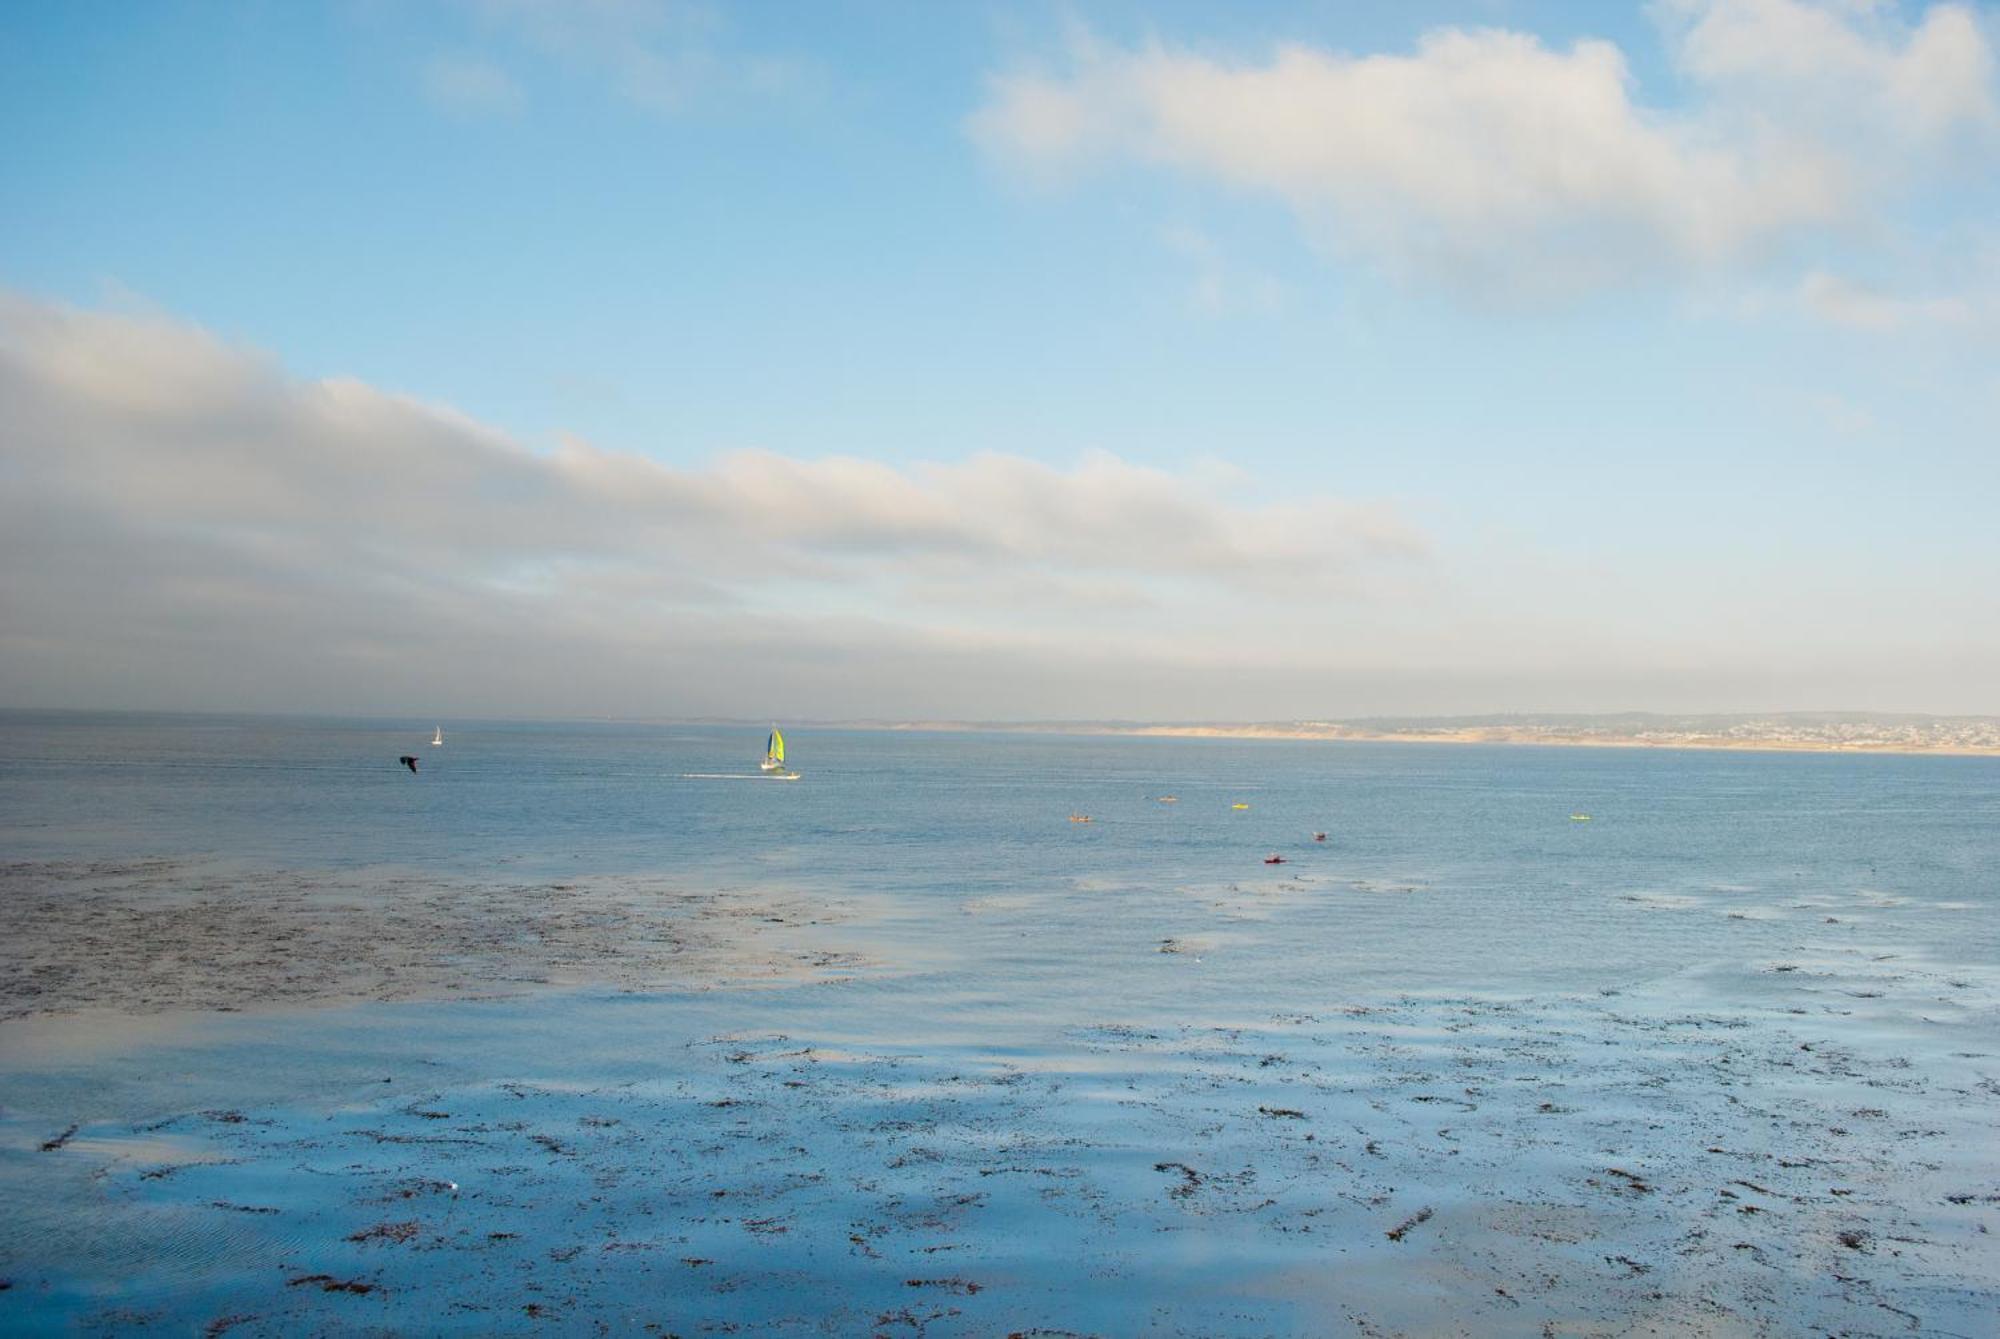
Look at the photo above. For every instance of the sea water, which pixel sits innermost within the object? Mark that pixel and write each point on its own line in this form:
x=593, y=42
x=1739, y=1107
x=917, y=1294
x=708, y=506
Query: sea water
x=1477, y=875
x=1157, y=987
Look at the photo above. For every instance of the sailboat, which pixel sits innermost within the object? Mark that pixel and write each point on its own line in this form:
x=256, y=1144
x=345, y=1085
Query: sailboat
x=774, y=757
x=437, y=740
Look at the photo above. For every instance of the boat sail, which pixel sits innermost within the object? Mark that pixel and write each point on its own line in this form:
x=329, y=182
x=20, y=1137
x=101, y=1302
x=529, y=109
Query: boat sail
x=437, y=740
x=774, y=751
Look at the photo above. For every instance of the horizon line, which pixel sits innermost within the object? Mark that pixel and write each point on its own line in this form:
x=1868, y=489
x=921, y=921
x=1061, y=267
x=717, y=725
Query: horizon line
x=1463, y=718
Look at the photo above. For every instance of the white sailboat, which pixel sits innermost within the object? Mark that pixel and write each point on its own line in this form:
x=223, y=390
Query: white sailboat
x=437, y=740
x=774, y=757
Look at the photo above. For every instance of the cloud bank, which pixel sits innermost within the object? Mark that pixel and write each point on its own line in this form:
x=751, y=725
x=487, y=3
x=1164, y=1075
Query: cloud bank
x=184, y=524
x=1492, y=161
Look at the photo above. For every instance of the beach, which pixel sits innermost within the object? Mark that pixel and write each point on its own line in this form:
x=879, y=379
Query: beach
x=913, y=1055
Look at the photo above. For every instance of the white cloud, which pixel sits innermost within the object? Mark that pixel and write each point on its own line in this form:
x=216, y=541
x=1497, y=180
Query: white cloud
x=470, y=86
x=1489, y=159
x=180, y=514
x=1842, y=302
x=1848, y=66
x=663, y=55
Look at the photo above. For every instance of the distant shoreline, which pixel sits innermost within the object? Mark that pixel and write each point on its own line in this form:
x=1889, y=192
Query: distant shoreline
x=1836, y=732
x=1502, y=735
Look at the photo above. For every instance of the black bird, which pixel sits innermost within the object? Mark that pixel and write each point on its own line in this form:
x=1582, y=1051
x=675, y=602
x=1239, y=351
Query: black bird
x=409, y=760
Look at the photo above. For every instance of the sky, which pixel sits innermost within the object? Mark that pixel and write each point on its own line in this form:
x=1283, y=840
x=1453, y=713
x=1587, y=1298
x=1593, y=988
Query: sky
x=1166, y=361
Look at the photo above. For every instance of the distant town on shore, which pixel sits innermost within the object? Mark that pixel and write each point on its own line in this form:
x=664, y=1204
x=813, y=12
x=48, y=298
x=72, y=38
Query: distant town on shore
x=1805, y=732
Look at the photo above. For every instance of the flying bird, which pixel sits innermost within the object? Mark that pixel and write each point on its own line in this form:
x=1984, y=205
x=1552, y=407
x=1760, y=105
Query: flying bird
x=409, y=760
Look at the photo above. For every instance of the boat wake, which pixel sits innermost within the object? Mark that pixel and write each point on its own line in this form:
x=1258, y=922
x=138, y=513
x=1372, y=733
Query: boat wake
x=739, y=776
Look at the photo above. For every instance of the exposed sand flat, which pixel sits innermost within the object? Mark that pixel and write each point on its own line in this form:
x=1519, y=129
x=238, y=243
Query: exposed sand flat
x=171, y=935
x=1758, y=1146
x=1577, y=1167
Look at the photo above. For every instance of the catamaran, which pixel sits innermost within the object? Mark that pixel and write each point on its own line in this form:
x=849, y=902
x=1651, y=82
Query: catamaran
x=772, y=768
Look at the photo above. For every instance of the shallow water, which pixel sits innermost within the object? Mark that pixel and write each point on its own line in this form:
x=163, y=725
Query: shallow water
x=1642, y=1072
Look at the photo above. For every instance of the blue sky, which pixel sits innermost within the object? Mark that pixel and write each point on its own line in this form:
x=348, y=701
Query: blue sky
x=1669, y=357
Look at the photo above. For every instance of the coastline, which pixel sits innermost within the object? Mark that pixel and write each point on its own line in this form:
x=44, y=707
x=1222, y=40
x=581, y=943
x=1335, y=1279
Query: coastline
x=1471, y=735
x=1516, y=731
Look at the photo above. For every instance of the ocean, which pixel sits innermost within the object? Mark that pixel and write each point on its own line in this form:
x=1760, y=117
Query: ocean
x=900, y=1048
